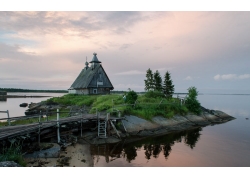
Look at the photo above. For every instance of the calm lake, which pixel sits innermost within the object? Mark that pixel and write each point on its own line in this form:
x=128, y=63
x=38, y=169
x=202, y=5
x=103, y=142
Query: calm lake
x=226, y=145
x=12, y=104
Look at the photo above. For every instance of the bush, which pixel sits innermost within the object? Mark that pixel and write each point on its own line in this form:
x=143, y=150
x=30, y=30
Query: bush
x=154, y=94
x=191, y=102
x=131, y=97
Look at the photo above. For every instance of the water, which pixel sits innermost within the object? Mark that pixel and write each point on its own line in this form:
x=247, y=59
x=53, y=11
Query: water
x=222, y=145
x=12, y=104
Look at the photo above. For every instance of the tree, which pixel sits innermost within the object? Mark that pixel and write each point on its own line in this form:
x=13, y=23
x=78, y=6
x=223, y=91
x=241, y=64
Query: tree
x=191, y=101
x=168, y=87
x=157, y=81
x=149, y=82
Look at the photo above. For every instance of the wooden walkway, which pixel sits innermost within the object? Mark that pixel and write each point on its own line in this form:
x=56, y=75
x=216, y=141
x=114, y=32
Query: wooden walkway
x=9, y=132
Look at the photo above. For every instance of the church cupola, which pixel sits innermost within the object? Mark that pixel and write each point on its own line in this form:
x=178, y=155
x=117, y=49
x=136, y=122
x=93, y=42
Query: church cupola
x=86, y=64
x=94, y=61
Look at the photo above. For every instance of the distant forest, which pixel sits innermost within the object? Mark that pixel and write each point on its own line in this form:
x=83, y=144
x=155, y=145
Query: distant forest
x=31, y=90
x=122, y=92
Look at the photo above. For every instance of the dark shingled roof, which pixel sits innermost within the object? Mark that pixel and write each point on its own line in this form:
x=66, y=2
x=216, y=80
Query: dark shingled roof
x=84, y=78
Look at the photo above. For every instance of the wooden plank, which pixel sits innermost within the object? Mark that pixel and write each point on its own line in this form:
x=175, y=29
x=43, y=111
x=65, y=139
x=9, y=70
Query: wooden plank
x=115, y=129
x=124, y=127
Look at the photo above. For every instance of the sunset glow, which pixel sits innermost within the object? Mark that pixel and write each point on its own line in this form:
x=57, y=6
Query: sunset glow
x=47, y=50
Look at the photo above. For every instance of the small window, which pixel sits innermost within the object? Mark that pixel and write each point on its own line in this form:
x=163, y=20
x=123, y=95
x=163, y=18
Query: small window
x=94, y=91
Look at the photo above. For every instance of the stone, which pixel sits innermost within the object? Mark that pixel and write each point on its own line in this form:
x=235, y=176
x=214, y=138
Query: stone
x=9, y=164
x=52, y=152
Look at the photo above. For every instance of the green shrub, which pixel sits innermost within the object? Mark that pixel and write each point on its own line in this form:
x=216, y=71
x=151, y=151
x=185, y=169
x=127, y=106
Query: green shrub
x=131, y=97
x=191, y=101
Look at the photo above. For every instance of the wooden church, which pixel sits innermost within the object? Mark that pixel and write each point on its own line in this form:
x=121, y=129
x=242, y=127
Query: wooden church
x=92, y=80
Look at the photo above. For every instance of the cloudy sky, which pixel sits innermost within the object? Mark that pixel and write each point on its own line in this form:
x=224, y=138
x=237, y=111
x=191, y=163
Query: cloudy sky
x=206, y=49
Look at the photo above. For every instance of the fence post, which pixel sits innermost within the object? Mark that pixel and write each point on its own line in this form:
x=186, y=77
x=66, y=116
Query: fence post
x=8, y=117
x=135, y=103
x=47, y=114
x=108, y=124
x=81, y=122
x=58, y=126
x=113, y=104
x=39, y=120
x=160, y=102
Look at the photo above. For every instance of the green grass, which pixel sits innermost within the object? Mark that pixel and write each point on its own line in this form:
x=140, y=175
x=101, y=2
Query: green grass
x=72, y=99
x=146, y=107
x=12, y=153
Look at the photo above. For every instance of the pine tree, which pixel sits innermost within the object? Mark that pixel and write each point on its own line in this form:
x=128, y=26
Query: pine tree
x=157, y=81
x=168, y=87
x=149, y=82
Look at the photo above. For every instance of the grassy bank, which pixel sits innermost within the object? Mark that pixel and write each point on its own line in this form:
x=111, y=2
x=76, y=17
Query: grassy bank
x=145, y=107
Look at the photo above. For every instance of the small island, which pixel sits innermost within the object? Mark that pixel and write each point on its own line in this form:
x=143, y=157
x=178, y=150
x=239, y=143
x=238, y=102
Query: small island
x=114, y=117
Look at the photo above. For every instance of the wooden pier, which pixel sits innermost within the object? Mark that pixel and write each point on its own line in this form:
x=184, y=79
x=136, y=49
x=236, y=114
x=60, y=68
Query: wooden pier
x=53, y=126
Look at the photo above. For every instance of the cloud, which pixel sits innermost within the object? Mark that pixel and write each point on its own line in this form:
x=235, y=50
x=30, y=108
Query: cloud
x=188, y=78
x=133, y=72
x=125, y=46
x=15, y=53
x=244, y=76
x=231, y=76
x=82, y=23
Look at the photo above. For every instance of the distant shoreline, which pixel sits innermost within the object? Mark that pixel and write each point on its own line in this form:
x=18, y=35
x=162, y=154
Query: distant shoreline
x=222, y=94
x=21, y=96
x=17, y=90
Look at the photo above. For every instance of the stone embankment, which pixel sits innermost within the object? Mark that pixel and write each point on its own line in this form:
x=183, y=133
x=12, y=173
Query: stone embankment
x=135, y=126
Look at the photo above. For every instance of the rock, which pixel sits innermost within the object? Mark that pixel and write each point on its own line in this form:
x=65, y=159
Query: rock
x=9, y=164
x=136, y=124
x=52, y=152
x=198, y=120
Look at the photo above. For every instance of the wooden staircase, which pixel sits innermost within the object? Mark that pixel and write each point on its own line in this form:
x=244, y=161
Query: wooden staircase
x=102, y=125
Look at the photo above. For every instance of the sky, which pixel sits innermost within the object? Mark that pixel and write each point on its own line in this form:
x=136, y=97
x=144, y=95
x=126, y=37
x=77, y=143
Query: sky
x=48, y=49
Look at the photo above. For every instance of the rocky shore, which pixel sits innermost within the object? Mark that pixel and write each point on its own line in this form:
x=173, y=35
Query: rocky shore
x=131, y=126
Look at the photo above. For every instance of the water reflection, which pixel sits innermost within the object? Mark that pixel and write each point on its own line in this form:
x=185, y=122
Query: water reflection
x=152, y=146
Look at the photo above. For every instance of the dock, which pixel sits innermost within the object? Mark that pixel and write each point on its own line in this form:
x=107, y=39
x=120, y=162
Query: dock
x=57, y=127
